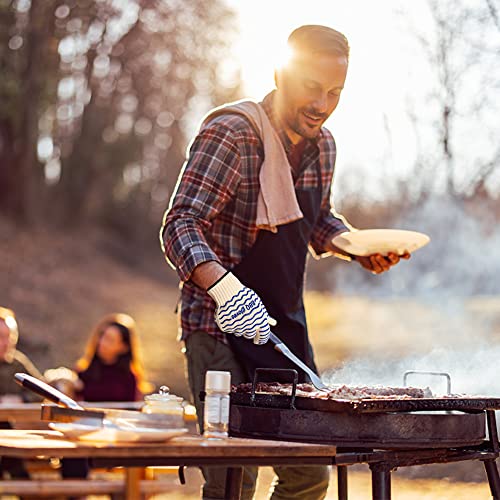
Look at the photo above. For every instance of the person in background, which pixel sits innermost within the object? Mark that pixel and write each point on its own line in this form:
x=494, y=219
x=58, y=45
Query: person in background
x=111, y=368
x=253, y=197
x=13, y=361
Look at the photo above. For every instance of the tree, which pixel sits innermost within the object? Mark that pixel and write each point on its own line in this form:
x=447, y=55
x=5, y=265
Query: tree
x=462, y=50
x=108, y=91
x=27, y=62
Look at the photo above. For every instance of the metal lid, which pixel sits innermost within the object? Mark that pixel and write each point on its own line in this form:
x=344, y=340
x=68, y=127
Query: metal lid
x=218, y=381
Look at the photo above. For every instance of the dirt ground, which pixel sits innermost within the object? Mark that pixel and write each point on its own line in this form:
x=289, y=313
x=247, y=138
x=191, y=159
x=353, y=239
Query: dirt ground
x=60, y=284
x=359, y=485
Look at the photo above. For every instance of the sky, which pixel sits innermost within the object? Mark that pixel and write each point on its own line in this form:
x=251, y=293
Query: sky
x=387, y=73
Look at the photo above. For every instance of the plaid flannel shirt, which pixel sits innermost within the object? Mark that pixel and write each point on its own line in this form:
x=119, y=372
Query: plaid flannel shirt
x=213, y=210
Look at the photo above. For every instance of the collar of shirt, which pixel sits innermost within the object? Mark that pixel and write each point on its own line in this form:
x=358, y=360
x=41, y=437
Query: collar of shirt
x=295, y=157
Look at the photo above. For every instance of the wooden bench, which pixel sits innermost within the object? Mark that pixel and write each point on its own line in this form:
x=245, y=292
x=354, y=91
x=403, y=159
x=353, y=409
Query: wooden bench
x=77, y=487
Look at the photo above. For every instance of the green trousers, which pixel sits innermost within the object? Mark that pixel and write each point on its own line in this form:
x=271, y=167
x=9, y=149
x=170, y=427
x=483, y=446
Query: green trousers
x=204, y=352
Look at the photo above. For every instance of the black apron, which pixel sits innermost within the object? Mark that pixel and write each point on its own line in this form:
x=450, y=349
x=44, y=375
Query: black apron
x=275, y=268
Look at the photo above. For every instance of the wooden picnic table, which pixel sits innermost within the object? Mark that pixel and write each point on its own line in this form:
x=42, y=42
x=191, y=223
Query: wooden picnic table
x=180, y=451
x=31, y=411
x=20, y=413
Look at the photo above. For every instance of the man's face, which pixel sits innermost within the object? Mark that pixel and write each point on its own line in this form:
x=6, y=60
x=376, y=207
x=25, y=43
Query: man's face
x=5, y=339
x=308, y=93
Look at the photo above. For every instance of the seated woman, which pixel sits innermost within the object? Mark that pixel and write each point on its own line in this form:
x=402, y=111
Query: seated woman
x=111, y=368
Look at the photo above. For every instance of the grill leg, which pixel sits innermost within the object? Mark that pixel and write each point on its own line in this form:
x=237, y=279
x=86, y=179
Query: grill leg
x=492, y=430
x=381, y=482
x=493, y=478
x=342, y=481
x=234, y=481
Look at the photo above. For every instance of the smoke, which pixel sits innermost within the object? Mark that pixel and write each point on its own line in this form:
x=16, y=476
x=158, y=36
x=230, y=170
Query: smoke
x=456, y=277
x=473, y=370
x=461, y=260
x=459, y=336
x=439, y=311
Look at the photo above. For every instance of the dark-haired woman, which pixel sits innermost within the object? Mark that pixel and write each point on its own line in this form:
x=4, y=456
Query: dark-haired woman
x=110, y=370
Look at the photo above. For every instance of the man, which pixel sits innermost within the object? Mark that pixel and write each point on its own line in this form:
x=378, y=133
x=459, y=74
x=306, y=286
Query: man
x=12, y=361
x=239, y=225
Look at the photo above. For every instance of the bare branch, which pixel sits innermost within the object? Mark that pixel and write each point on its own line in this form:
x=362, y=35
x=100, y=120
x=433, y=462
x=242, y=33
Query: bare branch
x=493, y=12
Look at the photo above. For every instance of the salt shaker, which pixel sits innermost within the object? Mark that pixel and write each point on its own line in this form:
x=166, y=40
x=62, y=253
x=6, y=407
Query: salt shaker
x=216, y=412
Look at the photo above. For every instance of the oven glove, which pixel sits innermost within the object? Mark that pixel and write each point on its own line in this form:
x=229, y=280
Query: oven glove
x=240, y=310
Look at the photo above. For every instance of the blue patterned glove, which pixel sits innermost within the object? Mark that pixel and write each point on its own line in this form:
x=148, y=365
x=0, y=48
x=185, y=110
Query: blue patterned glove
x=240, y=310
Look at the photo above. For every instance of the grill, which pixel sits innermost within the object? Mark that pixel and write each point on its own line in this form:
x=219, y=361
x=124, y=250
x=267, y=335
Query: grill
x=385, y=433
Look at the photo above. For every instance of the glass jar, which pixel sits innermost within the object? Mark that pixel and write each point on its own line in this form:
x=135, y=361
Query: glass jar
x=165, y=408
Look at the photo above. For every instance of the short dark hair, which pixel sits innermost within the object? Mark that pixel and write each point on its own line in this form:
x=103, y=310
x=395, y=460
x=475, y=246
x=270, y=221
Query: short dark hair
x=314, y=39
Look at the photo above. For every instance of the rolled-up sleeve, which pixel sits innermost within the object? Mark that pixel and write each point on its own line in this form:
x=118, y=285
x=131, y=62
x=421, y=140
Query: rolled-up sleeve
x=208, y=181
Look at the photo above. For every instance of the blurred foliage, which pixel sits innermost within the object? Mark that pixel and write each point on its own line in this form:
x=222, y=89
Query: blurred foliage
x=95, y=100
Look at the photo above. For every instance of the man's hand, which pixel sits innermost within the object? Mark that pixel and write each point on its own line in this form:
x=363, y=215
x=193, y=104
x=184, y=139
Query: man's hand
x=377, y=263
x=240, y=310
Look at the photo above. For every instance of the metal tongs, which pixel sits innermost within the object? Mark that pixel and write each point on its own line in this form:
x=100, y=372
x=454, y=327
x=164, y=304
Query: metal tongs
x=112, y=418
x=281, y=347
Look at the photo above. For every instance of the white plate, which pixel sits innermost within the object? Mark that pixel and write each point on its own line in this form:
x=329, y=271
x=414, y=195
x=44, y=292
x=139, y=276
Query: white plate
x=369, y=241
x=84, y=432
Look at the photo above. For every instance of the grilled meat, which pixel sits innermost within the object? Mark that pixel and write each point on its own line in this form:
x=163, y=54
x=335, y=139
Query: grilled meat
x=340, y=392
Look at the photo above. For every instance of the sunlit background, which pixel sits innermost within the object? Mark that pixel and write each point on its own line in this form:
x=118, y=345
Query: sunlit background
x=379, y=79
x=393, y=81
x=98, y=102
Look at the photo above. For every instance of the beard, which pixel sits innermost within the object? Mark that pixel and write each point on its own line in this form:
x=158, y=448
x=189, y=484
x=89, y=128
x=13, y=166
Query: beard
x=301, y=126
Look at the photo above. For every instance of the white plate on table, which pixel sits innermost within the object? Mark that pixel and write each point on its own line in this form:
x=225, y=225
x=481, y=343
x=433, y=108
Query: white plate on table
x=369, y=241
x=113, y=434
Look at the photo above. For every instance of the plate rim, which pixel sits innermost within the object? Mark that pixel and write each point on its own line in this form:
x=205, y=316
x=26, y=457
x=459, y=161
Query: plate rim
x=343, y=242
x=70, y=431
